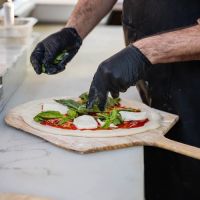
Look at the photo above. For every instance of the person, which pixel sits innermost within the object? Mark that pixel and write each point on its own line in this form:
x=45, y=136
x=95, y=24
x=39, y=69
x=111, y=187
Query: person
x=162, y=59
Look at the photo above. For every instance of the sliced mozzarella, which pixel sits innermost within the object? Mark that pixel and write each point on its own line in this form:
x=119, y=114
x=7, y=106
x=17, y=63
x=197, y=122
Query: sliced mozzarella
x=85, y=122
x=129, y=116
x=55, y=107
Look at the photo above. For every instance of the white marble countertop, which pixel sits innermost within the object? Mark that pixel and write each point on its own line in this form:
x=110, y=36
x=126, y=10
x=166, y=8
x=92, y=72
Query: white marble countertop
x=32, y=166
x=8, y=56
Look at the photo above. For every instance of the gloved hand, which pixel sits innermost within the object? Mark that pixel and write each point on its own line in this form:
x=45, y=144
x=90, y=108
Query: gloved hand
x=44, y=55
x=117, y=74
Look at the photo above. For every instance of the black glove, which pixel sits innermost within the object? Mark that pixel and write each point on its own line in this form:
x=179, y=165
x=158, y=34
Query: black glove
x=45, y=53
x=117, y=74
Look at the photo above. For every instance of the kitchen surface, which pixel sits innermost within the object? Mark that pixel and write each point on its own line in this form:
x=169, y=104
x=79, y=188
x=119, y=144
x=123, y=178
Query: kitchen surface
x=46, y=142
x=30, y=165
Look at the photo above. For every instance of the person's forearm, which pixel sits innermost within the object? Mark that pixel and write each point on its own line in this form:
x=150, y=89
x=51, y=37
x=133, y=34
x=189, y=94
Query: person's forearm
x=180, y=45
x=87, y=14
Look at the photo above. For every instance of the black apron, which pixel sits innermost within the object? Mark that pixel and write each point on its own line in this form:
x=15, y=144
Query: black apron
x=173, y=87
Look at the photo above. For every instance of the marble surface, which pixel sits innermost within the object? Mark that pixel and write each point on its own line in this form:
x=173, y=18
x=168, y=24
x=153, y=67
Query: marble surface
x=32, y=166
x=9, y=56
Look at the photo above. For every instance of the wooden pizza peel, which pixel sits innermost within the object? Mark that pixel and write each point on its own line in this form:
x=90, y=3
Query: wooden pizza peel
x=10, y=196
x=154, y=137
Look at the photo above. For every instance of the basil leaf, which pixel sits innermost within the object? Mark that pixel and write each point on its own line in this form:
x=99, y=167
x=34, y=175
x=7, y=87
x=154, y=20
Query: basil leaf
x=47, y=115
x=57, y=60
x=95, y=109
x=112, y=102
x=72, y=113
x=82, y=109
x=113, y=117
x=116, y=121
x=84, y=97
x=50, y=115
x=64, y=120
x=38, y=119
x=70, y=103
x=107, y=123
x=60, y=57
x=102, y=116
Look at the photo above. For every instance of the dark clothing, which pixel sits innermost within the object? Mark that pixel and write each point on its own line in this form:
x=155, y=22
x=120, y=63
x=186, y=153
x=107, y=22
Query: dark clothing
x=174, y=88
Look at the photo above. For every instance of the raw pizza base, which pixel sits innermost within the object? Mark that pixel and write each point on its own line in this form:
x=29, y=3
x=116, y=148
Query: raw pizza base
x=32, y=108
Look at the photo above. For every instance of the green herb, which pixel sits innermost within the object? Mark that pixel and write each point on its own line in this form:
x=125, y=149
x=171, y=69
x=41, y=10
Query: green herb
x=117, y=121
x=38, y=119
x=72, y=113
x=57, y=60
x=112, y=102
x=43, y=68
x=102, y=116
x=78, y=107
x=82, y=109
x=110, y=118
x=64, y=120
x=106, y=123
x=47, y=115
x=50, y=115
x=84, y=97
x=70, y=103
x=95, y=109
x=113, y=115
x=60, y=57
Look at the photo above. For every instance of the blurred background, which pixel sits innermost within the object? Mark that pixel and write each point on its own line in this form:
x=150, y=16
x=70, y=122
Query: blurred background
x=56, y=11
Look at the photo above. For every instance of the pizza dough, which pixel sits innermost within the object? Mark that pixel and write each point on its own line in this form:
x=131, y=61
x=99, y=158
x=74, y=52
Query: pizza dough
x=31, y=109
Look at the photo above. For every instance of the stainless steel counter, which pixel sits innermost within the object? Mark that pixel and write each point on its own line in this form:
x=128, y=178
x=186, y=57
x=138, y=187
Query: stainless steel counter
x=32, y=166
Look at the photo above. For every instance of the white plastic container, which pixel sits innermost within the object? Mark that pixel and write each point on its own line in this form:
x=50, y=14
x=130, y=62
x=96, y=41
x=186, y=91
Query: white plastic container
x=9, y=17
x=19, y=33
